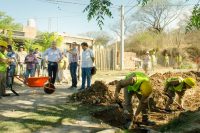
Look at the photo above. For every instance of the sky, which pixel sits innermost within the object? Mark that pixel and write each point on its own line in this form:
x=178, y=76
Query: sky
x=64, y=17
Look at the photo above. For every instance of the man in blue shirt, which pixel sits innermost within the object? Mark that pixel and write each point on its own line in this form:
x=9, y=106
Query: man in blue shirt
x=12, y=66
x=54, y=55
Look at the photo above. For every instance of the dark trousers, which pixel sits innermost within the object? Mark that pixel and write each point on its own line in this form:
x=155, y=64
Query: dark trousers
x=10, y=75
x=142, y=107
x=52, y=70
x=73, y=69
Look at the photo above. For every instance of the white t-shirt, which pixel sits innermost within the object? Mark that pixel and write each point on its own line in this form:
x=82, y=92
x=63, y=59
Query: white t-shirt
x=21, y=56
x=86, y=58
x=146, y=60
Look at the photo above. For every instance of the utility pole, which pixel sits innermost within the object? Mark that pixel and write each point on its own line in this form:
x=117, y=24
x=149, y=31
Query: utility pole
x=122, y=39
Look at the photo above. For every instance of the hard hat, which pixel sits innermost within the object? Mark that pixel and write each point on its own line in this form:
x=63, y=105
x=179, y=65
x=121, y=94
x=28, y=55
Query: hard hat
x=146, y=88
x=3, y=43
x=190, y=81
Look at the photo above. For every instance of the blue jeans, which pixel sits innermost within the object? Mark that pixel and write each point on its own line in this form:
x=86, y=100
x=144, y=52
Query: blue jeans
x=86, y=74
x=30, y=72
x=73, y=69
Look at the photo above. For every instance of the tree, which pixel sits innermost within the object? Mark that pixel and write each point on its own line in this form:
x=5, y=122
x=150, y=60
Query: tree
x=194, y=21
x=128, y=24
x=45, y=39
x=7, y=22
x=156, y=15
x=101, y=38
x=98, y=9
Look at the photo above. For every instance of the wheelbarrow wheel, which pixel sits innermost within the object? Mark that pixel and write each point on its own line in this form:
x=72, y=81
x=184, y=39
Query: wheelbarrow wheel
x=49, y=88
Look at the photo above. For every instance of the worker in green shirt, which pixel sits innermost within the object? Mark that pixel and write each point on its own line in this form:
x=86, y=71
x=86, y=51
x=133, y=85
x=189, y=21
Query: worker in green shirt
x=135, y=83
x=177, y=85
x=4, y=61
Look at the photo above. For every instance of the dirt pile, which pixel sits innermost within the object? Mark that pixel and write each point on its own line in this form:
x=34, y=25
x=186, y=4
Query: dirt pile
x=99, y=93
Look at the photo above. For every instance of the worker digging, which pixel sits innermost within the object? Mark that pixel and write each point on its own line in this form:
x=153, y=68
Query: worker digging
x=177, y=85
x=135, y=83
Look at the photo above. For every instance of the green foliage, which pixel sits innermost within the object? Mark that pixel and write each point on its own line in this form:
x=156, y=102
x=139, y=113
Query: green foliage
x=46, y=38
x=28, y=44
x=194, y=22
x=185, y=122
x=7, y=22
x=98, y=9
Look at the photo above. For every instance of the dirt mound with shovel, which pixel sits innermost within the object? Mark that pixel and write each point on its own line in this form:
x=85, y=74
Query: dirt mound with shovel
x=98, y=93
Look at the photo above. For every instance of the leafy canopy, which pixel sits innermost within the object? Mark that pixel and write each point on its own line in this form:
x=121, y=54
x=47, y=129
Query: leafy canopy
x=7, y=22
x=194, y=22
x=98, y=9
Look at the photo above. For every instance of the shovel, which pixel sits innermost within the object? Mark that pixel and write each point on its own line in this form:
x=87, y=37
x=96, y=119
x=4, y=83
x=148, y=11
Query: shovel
x=166, y=95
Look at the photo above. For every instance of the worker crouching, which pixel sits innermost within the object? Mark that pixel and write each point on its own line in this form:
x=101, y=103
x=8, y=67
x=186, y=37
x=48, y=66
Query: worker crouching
x=135, y=83
x=177, y=85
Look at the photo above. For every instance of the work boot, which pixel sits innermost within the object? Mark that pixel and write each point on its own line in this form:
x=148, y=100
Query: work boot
x=148, y=123
x=168, y=110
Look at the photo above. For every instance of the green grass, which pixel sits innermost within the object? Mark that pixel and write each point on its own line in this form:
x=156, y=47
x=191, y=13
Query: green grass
x=186, y=122
x=44, y=116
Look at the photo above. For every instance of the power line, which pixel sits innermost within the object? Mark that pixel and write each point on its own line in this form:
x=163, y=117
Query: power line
x=131, y=8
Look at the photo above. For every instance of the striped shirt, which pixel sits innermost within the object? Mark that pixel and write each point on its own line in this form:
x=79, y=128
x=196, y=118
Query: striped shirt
x=73, y=56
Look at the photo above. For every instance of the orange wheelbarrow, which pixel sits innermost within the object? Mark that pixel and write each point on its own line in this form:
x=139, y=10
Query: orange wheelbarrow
x=49, y=88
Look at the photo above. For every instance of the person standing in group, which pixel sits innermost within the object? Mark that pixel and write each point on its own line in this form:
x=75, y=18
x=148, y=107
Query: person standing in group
x=4, y=61
x=198, y=62
x=12, y=66
x=86, y=65
x=30, y=61
x=39, y=57
x=153, y=60
x=146, y=62
x=61, y=68
x=179, y=60
x=54, y=55
x=21, y=54
x=166, y=59
x=73, y=63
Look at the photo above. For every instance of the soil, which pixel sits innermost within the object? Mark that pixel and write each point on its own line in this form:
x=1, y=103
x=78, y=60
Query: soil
x=102, y=94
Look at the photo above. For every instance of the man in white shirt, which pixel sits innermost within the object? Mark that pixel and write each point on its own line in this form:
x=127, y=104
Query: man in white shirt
x=86, y=65
x=54, y=55
x=20, y=55
x=146, y=62
x=39, y=57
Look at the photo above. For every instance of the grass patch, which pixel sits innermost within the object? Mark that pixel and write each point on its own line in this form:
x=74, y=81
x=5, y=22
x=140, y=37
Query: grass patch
x=43, y=116
x=186, y=122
